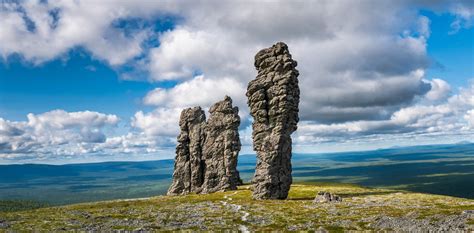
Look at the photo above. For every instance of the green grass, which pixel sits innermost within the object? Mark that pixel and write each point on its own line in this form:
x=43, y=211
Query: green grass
x=18, y=205
x=206, y=212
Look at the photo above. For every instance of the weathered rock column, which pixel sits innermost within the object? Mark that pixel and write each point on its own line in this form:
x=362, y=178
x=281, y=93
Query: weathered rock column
x=188, y=174
x=221, y=148
x=273, y=98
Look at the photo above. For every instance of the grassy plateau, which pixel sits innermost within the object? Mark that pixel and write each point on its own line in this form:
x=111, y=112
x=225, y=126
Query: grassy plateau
x=361, y=209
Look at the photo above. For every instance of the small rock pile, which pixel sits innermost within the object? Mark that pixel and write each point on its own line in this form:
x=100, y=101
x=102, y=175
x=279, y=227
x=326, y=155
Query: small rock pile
x=4, y=224
x=326, y=197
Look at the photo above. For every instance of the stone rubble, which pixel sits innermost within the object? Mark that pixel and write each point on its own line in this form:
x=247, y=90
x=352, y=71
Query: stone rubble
x=326, y=197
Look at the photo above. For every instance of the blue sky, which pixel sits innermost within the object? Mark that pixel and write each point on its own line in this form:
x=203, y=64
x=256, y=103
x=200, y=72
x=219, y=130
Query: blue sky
x=454, y=52
x=107, y=83
x=76, y=84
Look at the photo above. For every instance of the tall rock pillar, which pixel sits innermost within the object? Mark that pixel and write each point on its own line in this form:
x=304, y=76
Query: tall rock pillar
x=221, y=148
x=273, y=98
x=188, y=175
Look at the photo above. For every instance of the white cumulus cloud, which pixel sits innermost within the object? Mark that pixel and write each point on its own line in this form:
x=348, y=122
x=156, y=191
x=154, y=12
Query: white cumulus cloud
x=54, y=131
x=44, y=30
x=440, y=89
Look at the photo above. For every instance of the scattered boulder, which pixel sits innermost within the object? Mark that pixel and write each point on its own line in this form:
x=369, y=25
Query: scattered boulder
x=188, y=174
x=326, y=197
x=468, y=212
x=4, y=224
x=221, y=147
x=273, y=98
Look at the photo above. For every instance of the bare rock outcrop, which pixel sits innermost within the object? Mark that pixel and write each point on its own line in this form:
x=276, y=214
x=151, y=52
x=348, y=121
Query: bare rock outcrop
x=273, y=98
x=326, y=197
x=188, y=175
x=221, y=147
x=206, y=154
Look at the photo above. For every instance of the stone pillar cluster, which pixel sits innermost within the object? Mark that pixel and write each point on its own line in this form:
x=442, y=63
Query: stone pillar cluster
x=206, y=154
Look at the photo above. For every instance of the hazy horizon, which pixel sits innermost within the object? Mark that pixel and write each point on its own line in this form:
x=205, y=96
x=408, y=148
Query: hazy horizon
x=112, y=158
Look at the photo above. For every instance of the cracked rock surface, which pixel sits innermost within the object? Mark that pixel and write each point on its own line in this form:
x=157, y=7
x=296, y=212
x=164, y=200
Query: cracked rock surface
x=221, y=147
x=206, y=153
x=273, y=98
x=188, y=175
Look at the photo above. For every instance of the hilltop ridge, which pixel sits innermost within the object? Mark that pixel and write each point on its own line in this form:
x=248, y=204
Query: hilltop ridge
x=361, y=209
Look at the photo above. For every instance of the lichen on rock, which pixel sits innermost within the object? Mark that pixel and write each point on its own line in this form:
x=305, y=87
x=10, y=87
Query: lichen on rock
x=273, y=98
x=221, y=147
x=327, y=197
x=188, y=174
x=206, y=153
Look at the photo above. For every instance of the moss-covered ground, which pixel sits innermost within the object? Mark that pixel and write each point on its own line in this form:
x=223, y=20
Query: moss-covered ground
x=361, y=209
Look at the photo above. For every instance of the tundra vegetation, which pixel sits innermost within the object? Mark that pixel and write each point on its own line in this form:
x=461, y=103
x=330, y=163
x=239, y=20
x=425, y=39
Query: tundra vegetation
x=361, y=209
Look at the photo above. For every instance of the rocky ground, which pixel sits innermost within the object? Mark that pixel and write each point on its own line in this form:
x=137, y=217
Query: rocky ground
x=360, y=209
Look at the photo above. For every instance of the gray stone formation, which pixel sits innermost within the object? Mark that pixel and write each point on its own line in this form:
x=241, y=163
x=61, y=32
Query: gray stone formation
x=326, y=197
x=273, y=98
x=222, y=147
x=189, y=165
x=206, y=154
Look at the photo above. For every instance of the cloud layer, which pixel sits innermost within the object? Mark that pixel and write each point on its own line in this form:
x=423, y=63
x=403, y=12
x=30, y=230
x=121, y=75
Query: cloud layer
x=55, y=131
x=362, y=67
x=61, y=134
x=43, y=30
x=451, y=116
